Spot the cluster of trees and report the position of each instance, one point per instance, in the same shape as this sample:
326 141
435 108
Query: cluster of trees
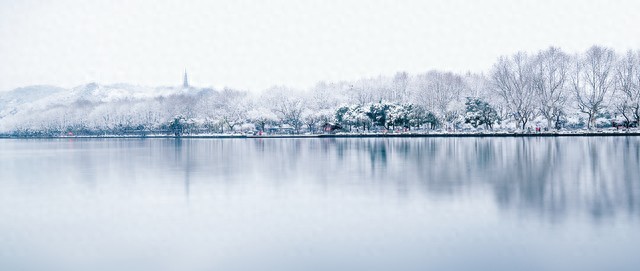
553 84
385 115
549 88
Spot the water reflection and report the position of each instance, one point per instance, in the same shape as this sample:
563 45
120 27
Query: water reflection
550 177
424 203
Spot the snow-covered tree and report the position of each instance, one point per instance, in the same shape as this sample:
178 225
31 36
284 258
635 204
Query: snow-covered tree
400 87
399 115
378 113
513 81
436 91
419 116
550 72
627 82
356 115
479 112
593 81
287 104
261 117
177 125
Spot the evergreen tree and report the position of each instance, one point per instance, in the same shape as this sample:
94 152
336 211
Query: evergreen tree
479 112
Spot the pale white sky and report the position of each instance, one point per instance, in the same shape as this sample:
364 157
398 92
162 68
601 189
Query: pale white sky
256 44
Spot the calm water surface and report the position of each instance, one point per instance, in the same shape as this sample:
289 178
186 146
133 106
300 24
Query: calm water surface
320 204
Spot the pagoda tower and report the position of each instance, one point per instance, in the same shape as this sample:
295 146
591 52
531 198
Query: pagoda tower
185 83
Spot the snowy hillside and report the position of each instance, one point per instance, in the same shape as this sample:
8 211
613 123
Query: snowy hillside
13 101
37 107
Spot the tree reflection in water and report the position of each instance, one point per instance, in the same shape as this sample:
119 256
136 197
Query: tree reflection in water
550 177
427 202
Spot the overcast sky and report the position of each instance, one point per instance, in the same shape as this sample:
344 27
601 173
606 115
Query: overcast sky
256 44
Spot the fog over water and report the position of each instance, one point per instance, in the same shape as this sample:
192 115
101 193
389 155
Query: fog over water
320 204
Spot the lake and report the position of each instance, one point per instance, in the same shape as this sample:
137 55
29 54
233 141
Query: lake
320 204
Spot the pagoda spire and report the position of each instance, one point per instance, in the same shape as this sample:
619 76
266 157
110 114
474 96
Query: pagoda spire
185 83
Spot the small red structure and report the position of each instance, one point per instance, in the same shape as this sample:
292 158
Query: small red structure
331 128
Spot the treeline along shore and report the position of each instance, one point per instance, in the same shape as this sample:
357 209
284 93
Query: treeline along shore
544 92
341 135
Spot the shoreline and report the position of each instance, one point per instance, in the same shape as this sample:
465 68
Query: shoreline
390 135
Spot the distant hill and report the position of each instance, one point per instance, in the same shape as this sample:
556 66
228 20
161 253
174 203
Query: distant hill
26 105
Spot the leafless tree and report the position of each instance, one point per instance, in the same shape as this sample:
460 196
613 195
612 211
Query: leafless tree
400 86
438 91
550 73
287 104
359 93
593 81
513 81
627 81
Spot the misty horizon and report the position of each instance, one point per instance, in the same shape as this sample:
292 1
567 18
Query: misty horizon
252 45
202 85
